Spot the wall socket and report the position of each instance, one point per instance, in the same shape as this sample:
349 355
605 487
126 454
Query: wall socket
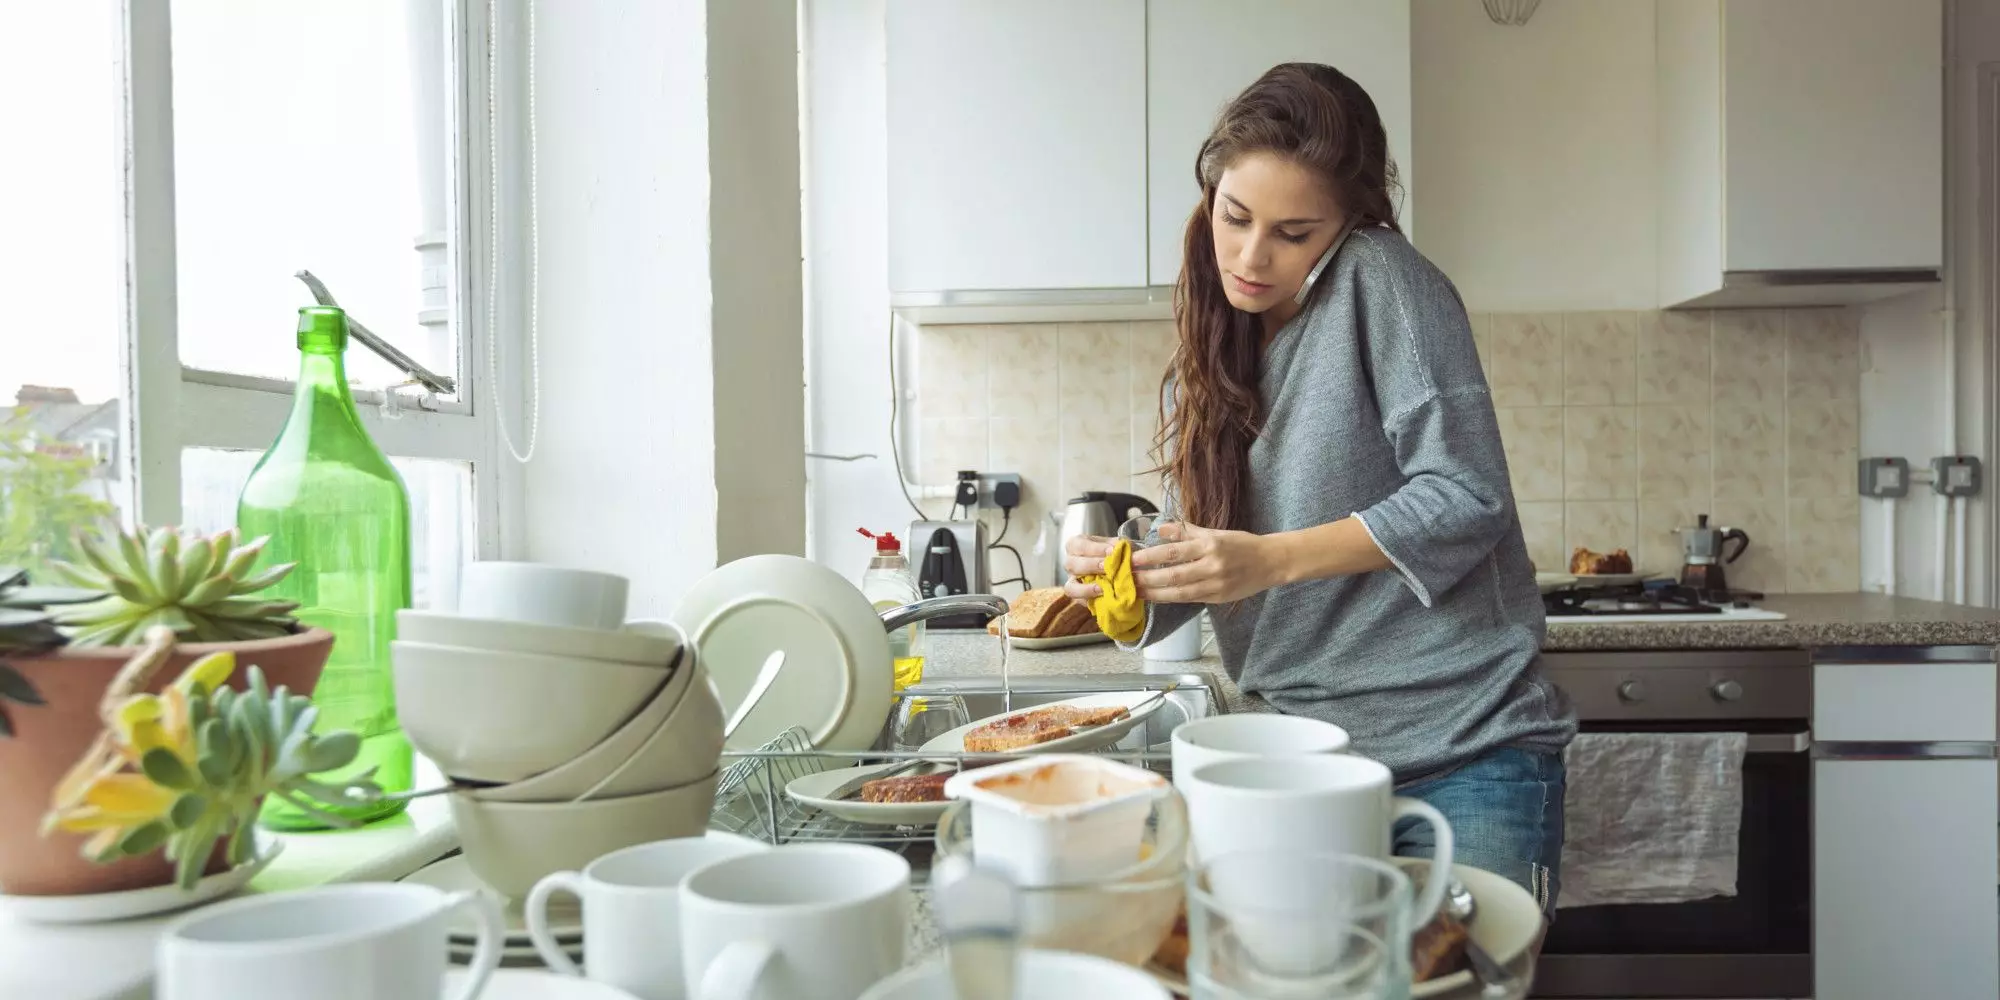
1956 475
1885 477
989 481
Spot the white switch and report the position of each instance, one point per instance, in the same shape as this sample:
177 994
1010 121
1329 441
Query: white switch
1959 476
1888 477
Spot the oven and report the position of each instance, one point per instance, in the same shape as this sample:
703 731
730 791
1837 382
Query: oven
1757 943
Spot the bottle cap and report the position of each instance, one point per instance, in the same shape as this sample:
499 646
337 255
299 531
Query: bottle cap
884 542
323 329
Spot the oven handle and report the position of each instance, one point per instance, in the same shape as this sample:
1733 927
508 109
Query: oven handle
1798 742
1932 750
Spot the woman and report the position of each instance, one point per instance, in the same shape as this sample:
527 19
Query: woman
1333 461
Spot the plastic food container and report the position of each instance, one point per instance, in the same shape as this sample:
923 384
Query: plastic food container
1058 818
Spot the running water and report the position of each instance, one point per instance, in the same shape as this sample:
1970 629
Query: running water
1006 679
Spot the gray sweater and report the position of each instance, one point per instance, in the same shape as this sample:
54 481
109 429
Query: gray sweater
1374 403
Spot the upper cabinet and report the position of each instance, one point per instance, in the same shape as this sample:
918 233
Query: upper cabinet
1017 144
1201 53
1801 147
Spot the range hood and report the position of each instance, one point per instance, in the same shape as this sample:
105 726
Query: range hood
1035 305
1803 288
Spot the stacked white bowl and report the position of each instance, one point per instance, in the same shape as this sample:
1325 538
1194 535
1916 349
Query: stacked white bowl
583 732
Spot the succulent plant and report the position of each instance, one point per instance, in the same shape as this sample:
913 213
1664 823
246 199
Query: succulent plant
187 768
27 626
198 586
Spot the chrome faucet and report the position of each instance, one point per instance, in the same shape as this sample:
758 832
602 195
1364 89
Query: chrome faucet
991 605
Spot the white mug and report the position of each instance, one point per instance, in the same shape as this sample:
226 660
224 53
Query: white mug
631 913
381 940
1180 645
545 595
805 920
1247 735
1321 803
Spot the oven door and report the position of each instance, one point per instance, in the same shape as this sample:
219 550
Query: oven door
1756 943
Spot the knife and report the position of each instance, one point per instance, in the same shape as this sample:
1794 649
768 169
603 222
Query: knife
765 675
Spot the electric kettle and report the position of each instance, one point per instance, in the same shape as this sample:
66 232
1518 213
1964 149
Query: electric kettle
1099 514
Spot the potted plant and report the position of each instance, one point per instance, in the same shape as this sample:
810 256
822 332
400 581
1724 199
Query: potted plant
63 648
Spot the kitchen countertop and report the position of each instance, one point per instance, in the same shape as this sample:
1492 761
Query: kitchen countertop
1811 620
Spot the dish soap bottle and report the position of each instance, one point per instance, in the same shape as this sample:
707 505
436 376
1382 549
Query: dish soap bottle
889 585
331 502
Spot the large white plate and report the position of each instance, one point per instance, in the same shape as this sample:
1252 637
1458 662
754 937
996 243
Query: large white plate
1507 923
813 789
1546 582
102 906
1613 579
1060 642
1089 739
533 984
836 678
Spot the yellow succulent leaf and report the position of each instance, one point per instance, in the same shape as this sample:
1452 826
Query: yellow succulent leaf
207 673
98 761
130 797
85 820
102 841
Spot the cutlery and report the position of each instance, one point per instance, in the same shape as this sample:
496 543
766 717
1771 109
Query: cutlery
1494 979
1132 711
765 675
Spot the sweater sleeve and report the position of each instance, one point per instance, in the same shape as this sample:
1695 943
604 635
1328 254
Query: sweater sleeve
1455 503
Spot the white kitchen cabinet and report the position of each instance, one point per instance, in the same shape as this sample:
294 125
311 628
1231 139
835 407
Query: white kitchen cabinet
1201 53
1017 144
1801 147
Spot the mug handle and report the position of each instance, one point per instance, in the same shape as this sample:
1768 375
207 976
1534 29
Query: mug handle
733 973
537 910
1439 876
492 929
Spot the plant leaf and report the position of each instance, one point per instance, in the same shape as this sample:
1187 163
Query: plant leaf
11 575
6 724
252 584
14 687
334 750
42 597
143 839
165 768
187 810
12 617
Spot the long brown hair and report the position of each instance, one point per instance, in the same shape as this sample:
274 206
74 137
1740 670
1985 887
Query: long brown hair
1317 117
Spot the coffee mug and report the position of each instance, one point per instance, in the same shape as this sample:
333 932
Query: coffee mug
381 940
631 913
1321 803
1249 735
805 920
545 595
1036 974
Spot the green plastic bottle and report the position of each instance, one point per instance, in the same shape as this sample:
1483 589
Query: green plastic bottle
332 503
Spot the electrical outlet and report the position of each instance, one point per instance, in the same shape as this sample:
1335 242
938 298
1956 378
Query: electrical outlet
1956 475
1885 477
991 481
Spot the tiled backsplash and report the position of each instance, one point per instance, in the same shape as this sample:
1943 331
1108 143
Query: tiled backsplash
1619 427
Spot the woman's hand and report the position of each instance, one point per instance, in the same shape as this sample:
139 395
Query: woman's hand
1083 556
1194 565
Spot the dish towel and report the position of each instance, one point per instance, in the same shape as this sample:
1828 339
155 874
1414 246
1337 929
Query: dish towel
1120 613
1651 817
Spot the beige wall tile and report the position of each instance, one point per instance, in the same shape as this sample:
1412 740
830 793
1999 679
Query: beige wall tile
1526 359
1152 349
1822 445
1482 338
1600 358
951 370
1674 452
1024 373
1144 483
1823 549
1600 526
946 446
1659 549
1542 530
1600 453
1822 353
1097 455
1762 567
1749 458
1032 448
1533 437
1673 357
1749 356
1096 371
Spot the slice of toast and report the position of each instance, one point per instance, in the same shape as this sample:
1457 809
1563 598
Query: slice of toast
1035 611
1074 619
1014 733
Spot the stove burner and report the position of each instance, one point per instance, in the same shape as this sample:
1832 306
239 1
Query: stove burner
1664 598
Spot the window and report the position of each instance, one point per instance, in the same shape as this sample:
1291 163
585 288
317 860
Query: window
259 139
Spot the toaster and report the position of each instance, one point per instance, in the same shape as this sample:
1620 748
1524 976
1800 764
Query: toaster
949 557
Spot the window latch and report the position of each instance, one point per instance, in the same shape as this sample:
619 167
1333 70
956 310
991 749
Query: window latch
430 380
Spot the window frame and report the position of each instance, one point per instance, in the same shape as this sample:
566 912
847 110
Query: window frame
174 407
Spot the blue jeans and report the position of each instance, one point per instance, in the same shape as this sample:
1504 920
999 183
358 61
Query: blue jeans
1506 815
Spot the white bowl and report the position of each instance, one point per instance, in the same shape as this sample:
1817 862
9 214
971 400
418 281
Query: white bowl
646 643
537 592
511 845
675 739
491 715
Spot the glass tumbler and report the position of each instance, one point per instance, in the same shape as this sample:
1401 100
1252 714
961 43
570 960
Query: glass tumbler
1291 926
918 719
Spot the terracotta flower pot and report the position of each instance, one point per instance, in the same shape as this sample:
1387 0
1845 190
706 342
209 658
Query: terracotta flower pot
50 738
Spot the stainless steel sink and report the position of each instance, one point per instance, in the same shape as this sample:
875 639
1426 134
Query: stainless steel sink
1195 697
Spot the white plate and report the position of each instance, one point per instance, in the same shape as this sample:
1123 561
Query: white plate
812 789
1089 739
102 906
453 874
1059 642
1506 925
533 984
836 679
637 642
1613 579
1546 582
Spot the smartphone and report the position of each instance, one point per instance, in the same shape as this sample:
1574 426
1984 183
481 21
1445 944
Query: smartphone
1324 259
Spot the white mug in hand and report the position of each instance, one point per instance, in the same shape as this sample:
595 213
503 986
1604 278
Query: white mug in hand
806 920
381 940
1319 803
631 913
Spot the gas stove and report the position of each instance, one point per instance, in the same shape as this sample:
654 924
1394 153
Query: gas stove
1656 602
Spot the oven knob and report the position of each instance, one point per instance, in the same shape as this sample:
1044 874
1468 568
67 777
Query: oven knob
1631 691
1726 691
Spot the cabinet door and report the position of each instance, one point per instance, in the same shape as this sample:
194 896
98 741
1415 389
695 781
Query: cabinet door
1834 132
1202 53
1017 144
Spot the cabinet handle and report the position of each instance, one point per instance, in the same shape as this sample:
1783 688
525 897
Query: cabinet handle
1631 691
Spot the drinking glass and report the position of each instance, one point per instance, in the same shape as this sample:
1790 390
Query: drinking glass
921 718
1279 925
1142 530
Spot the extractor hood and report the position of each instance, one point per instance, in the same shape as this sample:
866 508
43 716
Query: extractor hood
1806 287
1035 305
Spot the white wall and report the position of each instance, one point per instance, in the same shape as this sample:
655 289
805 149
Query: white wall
1538 151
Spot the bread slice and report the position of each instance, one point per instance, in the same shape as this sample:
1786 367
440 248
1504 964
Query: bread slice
1584 562
1035 611
909 788
1083 718
1074 619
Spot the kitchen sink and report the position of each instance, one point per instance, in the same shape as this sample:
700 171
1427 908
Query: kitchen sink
1195 697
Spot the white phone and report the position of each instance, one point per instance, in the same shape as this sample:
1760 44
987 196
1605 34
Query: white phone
1324 259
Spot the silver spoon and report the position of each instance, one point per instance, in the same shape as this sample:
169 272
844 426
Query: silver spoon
1494 979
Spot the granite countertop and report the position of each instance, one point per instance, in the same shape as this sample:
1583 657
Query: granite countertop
1811 620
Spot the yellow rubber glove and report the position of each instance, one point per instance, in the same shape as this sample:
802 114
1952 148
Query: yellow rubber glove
1120 613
